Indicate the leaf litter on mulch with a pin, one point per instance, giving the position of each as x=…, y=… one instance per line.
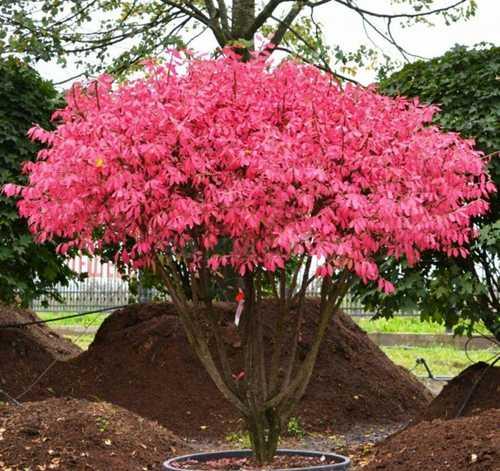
x=72, y=434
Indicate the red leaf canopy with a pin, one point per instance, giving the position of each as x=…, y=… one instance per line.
x=278, y=160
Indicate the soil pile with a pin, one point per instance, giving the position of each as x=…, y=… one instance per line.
x=26, y=352
x=486, y=394
x=141, y=360
x=467, y=443
x=79, y=435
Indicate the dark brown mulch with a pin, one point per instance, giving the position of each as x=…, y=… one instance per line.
x=250, y=464
x=486, y=396
x=464, y=444
x=42, y=335
x=26, y=352
x=141, y=360
x=71, y=434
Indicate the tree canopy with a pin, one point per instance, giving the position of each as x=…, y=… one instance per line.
x=267, y=166
x=464, y=83
x=116, y=35
x=27, y=269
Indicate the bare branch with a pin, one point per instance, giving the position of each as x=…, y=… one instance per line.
x=349, y=4
x=263, y=16
x=223, y=15
x=215, y=19
x=285, y=24
x=319, y=66
x=332, y=300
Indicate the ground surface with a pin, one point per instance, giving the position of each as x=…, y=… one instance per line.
x=463, y=444
x=457, y=396
x=140, y=360
x=70, y=434
x=25, y=353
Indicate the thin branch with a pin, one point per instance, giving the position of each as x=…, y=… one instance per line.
x=349, y=4
x=263, y=16
x=190, y=10
x=319, y=66
x=74, y=77
x=215, y=19
x=334, y=297
x=223, y=15
x=285, y=24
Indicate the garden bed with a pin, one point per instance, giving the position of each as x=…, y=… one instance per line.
x=26, y=352
x=455, y=394
x=71, y=434
x=140, y=360
x=467, y=443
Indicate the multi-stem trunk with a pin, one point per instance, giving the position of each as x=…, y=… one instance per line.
x=275, y=375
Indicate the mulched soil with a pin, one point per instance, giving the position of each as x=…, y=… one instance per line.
x=486, y=395
x=249, y=464
x=27, y=351
x=141, y=360
x=464, y=444
x=71, y=434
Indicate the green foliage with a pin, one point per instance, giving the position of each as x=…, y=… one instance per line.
x=465, y=83
x=239, y=439
x=26, y=269
x=294, y=428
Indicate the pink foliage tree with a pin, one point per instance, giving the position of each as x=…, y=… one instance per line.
x=217, y=164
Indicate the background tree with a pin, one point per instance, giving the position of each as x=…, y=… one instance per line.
x=261, y=170
x=465, y=84
x=27, y=269
x=116, y=35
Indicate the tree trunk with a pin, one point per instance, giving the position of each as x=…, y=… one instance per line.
x=243, y=18
x=264, y=430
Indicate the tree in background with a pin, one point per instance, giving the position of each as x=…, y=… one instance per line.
x=116, y=35
x=465, y=84
x=262, y=169
x=27, y=269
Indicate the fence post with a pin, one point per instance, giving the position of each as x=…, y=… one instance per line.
x=144, y=294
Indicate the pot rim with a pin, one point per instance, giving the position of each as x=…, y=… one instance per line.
x=341, y=463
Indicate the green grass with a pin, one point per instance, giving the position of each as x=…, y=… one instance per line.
x=405, y=324
x=94, y=320
x=83, y=341
x=442, y=361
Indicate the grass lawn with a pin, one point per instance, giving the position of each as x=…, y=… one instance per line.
x=442, y=361
x=94, y=320
x=402, y=324
x=83, y=341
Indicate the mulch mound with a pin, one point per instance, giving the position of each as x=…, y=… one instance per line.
x=486, y=395
x=467, y=443
x=26, y=352
x=80, y=435
x=141, y=360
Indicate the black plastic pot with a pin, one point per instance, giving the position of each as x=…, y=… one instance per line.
x=341, y=462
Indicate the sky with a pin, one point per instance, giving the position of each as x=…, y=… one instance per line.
x=343, y=27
